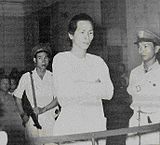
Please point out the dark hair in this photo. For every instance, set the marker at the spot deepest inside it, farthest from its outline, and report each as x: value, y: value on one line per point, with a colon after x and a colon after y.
x: 80, y: 17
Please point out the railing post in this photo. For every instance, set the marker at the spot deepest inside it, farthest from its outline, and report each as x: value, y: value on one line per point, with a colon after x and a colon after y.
x: 159, y: 134
x: 93, y: 141
x: 139, y: 123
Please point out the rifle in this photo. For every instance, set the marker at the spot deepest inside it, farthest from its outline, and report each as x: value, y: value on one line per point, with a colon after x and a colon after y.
x: 26, y: 105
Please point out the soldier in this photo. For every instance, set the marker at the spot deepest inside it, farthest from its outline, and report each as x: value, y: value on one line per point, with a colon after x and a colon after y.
x: 38, y: 86
x: 144, y: 86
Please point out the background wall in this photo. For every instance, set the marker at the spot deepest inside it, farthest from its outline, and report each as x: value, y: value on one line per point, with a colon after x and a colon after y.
x: 11, y: 42
x: 114, y: 24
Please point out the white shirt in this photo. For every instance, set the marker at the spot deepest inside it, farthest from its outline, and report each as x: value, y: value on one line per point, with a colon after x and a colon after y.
x: 3, y: 138
x: 80, y: 84
x: 74, y: 79
x: 145, y: 87
x: 43, y: 88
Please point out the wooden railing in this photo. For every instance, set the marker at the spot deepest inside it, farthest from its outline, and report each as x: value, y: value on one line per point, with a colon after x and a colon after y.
x: 92, y: 136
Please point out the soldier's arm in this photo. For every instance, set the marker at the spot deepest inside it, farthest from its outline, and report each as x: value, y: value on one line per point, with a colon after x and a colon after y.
x: 21, y: 112
x: 52, y: 104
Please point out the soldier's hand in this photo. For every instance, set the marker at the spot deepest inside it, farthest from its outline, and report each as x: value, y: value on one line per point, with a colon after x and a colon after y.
x: 38, y: 110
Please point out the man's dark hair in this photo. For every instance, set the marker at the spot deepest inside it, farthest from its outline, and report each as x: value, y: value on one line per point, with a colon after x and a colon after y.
x: 80, y: 17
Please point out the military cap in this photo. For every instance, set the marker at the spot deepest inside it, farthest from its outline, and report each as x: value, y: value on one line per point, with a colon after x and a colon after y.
x: 41, y: 47
x: 145, y: 35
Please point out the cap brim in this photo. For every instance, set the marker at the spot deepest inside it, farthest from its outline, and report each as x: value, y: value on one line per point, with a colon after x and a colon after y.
x: 41, y: 50
x: 145, y: 40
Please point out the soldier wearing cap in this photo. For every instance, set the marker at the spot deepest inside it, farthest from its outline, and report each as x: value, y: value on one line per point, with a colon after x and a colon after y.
x: 144, y: 87
x: 39, y: 84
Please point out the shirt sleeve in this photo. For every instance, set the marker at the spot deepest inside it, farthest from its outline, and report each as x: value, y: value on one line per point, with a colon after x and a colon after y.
x: 21, y: 87
x: 103, y: 89
x: 130, y: 88
x: 64, y: 84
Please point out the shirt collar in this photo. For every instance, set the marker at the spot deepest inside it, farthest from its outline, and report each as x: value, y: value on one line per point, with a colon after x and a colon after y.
x: 152, y: 67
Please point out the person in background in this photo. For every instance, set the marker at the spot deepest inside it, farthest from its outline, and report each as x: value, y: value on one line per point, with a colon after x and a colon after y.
x: 3, y: 134
x: 38, y: 86
x: 2, y: 71
x: 4, y: 84
x: 9, y: 120
x: 144, y: 86
x: 13, y: 85
x: 15, y: 73
x: 81, y: 81
x: 122, y: 78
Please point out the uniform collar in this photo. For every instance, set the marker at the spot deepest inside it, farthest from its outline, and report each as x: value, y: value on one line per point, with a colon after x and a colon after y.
x: 152, y: 67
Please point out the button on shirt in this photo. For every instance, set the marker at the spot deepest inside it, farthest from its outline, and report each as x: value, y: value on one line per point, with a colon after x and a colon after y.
x: 43, y: 88
x: 145, y: 86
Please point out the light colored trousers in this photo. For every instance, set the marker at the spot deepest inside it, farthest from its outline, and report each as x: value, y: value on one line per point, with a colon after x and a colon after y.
x: 47, y: 122
x: 136, y: 120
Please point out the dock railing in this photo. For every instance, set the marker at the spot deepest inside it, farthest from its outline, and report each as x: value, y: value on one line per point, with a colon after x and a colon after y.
x: 94, y: 136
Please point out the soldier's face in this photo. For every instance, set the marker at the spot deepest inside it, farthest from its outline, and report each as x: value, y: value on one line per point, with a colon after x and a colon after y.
x: 146, y: 50
x: 42, y: 60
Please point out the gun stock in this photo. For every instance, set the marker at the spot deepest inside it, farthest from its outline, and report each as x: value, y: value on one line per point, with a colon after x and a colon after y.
x: 26, y: 105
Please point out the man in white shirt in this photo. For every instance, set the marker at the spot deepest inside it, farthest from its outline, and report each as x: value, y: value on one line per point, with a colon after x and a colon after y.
x: 38, y: 86
x: 144, y: 86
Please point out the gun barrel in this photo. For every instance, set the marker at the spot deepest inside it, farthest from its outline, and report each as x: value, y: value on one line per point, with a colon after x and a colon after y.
x: 35, y: 120
x: 27, y: 107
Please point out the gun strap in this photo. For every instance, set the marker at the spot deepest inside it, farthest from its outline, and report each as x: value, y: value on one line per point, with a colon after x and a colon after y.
x: 33, y: 90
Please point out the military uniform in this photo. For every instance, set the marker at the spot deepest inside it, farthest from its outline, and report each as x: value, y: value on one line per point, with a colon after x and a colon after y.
x: 144, y: 86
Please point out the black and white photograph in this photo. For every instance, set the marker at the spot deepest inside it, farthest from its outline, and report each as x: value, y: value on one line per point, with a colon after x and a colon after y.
x: 79, y: 72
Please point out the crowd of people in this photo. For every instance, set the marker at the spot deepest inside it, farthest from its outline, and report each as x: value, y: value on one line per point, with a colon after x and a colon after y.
x: 77, y: 84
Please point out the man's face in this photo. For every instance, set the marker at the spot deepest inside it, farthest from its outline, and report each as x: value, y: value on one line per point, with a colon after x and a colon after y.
x: 146, y: 50
x: 41, y: 60
x: 83, y: 35
x: 4, y: 84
